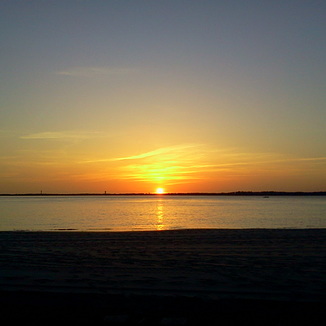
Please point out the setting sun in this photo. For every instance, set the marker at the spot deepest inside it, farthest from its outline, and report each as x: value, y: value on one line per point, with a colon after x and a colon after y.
x: 159, y: 191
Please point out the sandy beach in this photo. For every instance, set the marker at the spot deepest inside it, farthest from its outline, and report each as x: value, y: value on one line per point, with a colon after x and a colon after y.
x: 181, y: 277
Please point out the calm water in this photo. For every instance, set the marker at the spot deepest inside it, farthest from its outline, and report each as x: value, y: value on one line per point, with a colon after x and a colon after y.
x: 115, y: 213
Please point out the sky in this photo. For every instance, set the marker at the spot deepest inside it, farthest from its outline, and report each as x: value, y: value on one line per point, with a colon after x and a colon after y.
x: 190, y: 96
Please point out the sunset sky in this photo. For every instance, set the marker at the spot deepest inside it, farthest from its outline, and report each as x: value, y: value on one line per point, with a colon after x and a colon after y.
x: 189, y: 96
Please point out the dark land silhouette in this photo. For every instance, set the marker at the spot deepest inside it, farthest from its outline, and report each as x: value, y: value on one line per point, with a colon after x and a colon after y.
x: 234, y: 193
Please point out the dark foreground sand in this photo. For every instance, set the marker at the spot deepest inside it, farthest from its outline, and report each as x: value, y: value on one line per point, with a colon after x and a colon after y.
x: 184, y: 277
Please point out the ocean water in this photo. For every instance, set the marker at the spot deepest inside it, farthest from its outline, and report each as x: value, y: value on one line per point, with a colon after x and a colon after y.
x: 138, y: 213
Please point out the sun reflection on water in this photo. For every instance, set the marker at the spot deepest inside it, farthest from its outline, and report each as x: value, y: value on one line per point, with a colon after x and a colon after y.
x: 159, y: 216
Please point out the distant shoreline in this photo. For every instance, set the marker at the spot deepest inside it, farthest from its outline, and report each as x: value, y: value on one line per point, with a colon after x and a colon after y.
x: 236, y: 193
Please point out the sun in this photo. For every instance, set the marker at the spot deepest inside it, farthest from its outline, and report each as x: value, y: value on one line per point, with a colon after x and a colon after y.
x: 159, y: 191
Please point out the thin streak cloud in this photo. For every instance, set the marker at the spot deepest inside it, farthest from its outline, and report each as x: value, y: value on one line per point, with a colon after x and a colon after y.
x: 171, y: 150
x: 96, y: 71
x: 187, y: 167
x: 62, y: 135
x: 160, y: 151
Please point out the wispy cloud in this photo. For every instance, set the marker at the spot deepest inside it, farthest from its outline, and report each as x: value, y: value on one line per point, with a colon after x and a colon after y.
x: 162, y: 172
x: 312, y: 159
x: 166, y: 153
x: 174, y: 150
x: 186, y: 163
x: 62, y: 135
x: 180, y: 162
x: 96, y: 71
x: 196, y: 163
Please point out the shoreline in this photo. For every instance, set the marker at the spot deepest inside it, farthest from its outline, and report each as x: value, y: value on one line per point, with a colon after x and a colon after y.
x: 147, y: 231
x: 179, y: 230
x: 198, y: 274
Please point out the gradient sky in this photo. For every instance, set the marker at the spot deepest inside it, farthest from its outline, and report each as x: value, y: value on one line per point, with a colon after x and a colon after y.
x: 127, y: 96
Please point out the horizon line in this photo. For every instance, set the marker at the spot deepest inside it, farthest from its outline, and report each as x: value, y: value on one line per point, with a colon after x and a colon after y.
x: 232, y: 193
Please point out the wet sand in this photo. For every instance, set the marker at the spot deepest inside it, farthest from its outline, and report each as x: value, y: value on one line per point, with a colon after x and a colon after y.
x: 170, y: 277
